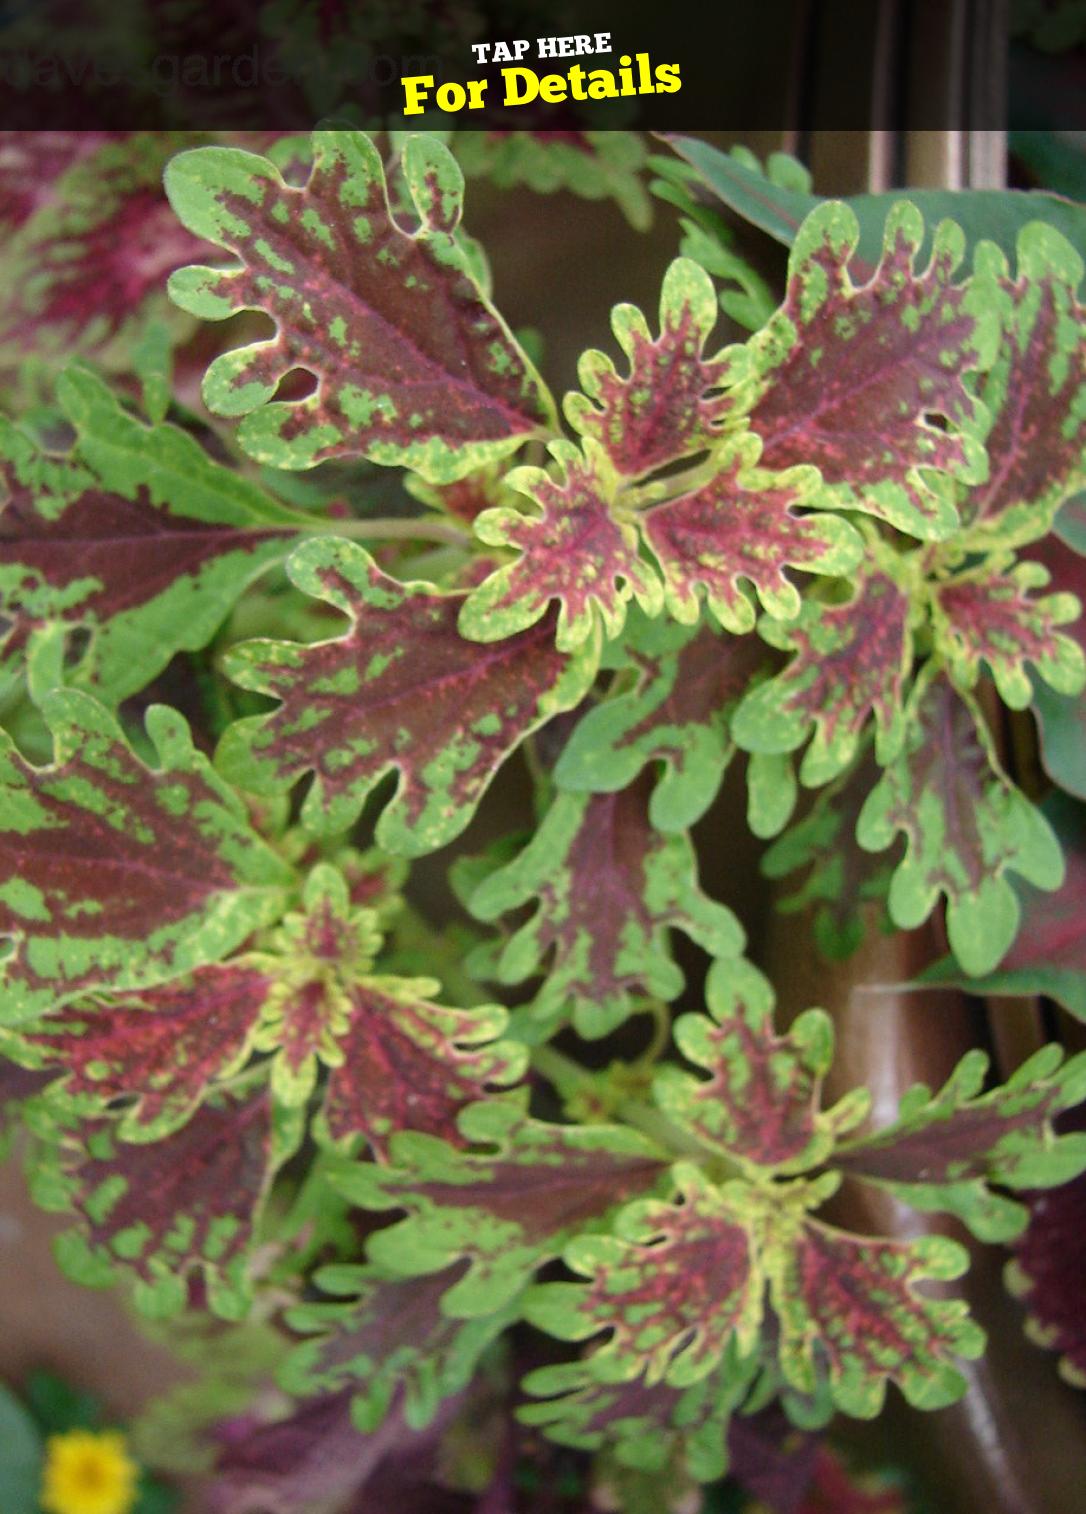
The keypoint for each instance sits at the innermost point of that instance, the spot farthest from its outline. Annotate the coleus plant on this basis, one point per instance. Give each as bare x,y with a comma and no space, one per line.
835,547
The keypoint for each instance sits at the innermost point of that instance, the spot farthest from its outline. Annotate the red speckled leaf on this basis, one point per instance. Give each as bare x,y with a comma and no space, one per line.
135,535
944,1149
851,661
1048,1269
410,1064
506,1206
102,243
966,827
678,714
30,164
762,1103
741,528
388,1339
674,1284
610,889
868,382
401,691
992,615
398,1061
118,875
576,552
1034,392
1062,721
848,1307
413,365
166,1208
669,404
162,1046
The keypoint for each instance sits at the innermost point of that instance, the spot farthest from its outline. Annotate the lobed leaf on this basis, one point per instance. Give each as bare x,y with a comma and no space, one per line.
97,249
401,691
673,1285
671,402
944,1150
779,201
578,552
388,1342
1048,955
741,527
160,1048
1035,392
164,1210
689,680
991,615
115,875
851,661
610,888
413,365
845,886
848,1307
649,1427
397,1060
965,825
504,1209
136,536
867,382
1062,720
762,1104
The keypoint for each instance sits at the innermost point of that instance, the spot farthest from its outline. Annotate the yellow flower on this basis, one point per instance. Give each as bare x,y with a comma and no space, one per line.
88,1473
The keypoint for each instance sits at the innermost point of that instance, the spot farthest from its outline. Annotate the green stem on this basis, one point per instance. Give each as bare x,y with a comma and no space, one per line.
392,528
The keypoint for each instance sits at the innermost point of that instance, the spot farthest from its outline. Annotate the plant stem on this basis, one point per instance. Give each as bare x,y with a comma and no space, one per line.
392,528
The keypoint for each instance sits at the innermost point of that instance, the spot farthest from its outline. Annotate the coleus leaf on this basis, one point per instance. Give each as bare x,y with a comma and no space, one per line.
165,1209
389,1341
1062,720
610,888
965,826
118,875
762,1104
31,162
848,1307
851,661
853,379
577,552
674,1284
1048,955
1035,393
991,615
670,404
689,680
779,201
161,1047
506,1209
413,365
401,691
97,250
136,535
647,1426
397,1060
845,885
1049,1265
740,527
944,1149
